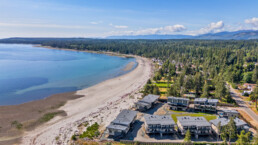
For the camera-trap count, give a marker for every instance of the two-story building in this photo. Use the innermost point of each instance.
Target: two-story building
(161, 124)
(204, 104)
(228, 113)
(147, 102)
(197, 125)
(177, 103)
(122, 124)
(240, 125)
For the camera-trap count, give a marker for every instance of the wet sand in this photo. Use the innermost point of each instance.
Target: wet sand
(28, 114)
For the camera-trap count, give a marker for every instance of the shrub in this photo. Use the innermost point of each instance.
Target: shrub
(74, 138)
(91, 132)
(17, 124)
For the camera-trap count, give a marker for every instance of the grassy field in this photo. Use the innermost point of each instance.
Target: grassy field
(163, 86)
(206, 116)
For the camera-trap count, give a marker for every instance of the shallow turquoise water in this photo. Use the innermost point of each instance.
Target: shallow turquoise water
(30, 73)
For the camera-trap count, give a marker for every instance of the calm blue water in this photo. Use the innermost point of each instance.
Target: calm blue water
(30, 73)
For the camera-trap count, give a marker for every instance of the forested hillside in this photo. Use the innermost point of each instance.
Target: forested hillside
(199, 66)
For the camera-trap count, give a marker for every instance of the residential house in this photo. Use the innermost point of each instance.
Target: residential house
(147, 102)
(177, 103)
(197, 125)
(204, 104)
(228, 113)
(122, 124)
(249, 87)
(161, 124)
(246, 92)
(240, 125)
(190, 95)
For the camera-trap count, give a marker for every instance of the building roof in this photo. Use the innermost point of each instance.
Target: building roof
(159, 119)
(149, 99)
(142, 103)
(229, 111)
(178, 98)
(117, 127)
(206, 100)
(125, 117)
(200, 99)
(192, 121)
(213, 100)
(225, 121)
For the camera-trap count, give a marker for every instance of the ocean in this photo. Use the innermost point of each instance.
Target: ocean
(30, 73)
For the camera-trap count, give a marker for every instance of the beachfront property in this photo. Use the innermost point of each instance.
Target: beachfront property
(122, 124)
(177, 103)
(147, 102)
(159, 124)
(228, 113)
(240, 125)
(197, 125)
(204, 104)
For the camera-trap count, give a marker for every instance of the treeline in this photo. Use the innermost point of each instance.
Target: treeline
(203, 64)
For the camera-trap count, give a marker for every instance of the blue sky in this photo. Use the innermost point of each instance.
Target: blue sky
(101, 18)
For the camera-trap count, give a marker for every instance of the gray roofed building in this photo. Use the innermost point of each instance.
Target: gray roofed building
(240, 124)
(162, 124)
(121, 125)
(228, 113)
(125, 117)
(204, 104)
(178, 103)
(196, 125)
(147, 102)
(213, 100)
(200, 100)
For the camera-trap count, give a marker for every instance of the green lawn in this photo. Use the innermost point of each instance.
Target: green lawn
(207, 117)
(176, 111)
(162, 85)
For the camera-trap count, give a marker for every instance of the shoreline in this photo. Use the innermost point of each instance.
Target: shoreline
(100, 103)
(89, 51)
(28, 113)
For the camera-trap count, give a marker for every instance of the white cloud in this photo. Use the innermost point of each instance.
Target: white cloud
(95, 23)
(212, 27)
(160, 30)
(120, 26)
(253, 21)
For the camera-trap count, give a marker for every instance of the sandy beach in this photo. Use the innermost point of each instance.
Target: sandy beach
(100, 103)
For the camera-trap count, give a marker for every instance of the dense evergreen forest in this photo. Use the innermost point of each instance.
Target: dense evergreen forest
(199, 66)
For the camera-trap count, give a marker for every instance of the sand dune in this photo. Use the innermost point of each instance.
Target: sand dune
(101, 103)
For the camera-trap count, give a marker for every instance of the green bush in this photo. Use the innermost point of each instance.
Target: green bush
(91, 132)
(17, 124)
(74, 138)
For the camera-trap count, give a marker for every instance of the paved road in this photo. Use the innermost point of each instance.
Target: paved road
(242, 104)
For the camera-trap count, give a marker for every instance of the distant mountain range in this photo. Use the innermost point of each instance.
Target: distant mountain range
(236, 35)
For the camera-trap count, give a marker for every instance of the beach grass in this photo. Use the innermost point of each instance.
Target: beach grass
(48, 116)
(91, 131)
